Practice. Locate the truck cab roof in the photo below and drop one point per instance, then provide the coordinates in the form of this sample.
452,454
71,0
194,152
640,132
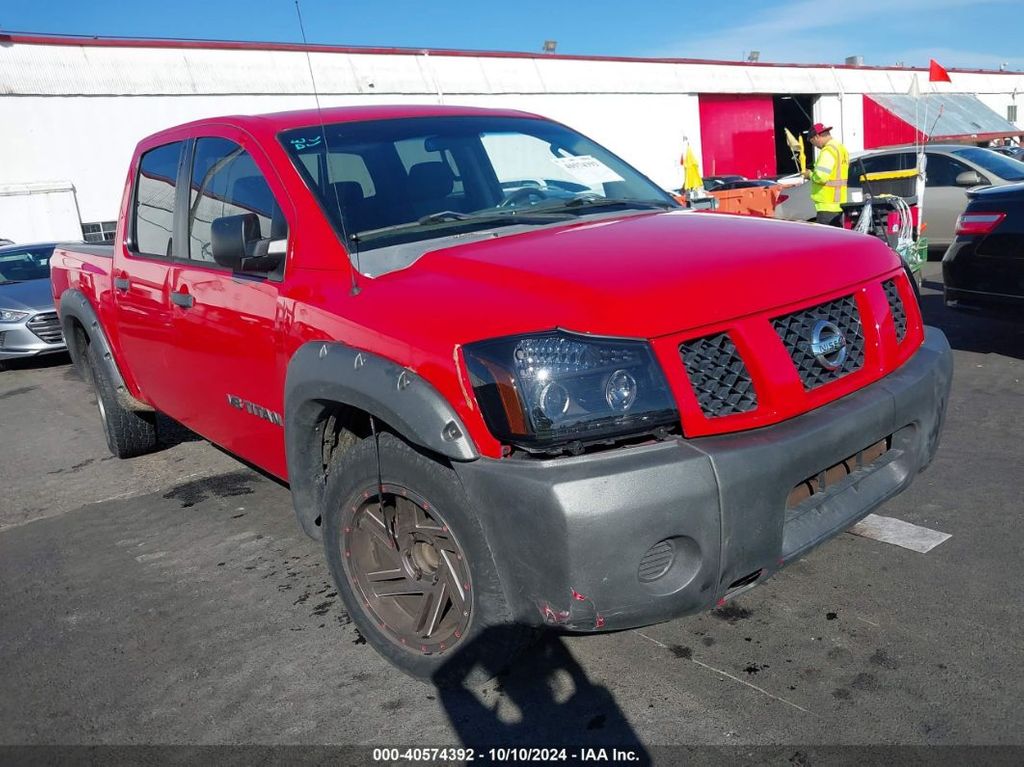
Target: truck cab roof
278,121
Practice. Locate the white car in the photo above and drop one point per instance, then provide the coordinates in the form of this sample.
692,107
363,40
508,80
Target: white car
951,170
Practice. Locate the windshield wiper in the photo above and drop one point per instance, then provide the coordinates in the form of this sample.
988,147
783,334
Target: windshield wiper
600,202
597,202
509,217
440,218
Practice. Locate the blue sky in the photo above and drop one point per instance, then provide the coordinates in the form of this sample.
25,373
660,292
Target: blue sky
958,33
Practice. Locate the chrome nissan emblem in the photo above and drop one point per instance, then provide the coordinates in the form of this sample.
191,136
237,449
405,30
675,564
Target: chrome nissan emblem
828,345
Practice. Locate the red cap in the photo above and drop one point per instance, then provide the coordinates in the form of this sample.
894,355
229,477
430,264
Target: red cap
817,129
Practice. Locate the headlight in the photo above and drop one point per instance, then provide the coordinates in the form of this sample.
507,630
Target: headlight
9,315
540,391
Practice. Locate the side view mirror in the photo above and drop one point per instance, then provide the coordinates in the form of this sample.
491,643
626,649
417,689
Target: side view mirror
236,244
968,178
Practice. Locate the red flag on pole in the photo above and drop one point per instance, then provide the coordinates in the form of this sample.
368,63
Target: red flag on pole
936,73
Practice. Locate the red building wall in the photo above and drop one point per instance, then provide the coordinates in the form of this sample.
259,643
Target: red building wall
737,135
883,128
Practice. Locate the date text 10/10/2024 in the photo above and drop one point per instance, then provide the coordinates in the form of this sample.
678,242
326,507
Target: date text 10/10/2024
505,754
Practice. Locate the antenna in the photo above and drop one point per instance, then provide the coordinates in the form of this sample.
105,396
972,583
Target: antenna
326,169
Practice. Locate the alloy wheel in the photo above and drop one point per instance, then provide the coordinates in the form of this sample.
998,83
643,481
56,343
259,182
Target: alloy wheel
407,569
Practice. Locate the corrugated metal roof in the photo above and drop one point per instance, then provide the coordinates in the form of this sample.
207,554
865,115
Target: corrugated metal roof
33,38
961,114
184,68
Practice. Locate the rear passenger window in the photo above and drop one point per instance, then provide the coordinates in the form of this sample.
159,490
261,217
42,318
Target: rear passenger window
153,218
226,182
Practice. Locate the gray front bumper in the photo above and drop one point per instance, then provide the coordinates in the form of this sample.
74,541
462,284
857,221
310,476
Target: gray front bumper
568,535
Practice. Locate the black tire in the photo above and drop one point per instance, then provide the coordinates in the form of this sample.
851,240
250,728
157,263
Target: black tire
129,433
491,640
81,363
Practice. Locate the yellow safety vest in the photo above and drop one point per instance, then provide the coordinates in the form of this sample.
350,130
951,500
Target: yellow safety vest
830,177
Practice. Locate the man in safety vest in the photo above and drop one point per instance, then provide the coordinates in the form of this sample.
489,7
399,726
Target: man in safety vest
829,177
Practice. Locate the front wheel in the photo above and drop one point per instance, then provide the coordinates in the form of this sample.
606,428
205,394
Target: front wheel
412,565
129,433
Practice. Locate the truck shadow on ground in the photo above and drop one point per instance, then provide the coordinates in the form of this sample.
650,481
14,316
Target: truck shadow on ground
997,330
545,699
170,433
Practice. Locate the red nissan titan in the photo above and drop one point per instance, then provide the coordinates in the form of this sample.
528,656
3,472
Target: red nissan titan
509,381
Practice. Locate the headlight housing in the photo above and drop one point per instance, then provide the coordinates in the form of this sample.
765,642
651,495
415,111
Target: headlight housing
9,315
545,390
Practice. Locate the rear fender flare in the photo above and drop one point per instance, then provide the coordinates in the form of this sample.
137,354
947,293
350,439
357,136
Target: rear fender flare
75,306
330,373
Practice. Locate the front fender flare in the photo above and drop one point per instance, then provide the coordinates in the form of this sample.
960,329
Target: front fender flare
75,306
328,372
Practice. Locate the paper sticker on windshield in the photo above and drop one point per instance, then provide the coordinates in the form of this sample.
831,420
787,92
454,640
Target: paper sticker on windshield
589,170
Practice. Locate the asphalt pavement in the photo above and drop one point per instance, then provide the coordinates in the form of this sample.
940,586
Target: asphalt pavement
173,599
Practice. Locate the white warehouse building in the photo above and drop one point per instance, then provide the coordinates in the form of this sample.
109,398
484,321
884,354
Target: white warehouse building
74,108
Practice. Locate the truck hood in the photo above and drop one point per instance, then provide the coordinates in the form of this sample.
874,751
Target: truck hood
638,276
29,296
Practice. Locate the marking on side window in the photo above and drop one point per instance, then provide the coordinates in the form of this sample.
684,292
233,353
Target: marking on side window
305,142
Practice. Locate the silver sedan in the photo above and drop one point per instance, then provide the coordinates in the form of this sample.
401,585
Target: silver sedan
952,169
28,321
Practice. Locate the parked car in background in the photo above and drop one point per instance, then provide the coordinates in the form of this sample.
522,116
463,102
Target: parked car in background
985,263
952,170
744,183
1016,152
28,320
711,183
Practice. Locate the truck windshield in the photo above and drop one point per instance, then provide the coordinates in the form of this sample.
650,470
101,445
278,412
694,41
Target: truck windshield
24,264
389,182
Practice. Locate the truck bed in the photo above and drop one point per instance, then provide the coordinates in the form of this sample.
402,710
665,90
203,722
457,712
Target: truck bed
102,250
84,268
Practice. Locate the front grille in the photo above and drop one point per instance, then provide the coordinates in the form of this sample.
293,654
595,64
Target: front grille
718,376
47,327
899,314
797,333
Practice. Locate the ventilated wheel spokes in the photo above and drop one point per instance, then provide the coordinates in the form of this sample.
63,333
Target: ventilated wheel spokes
410,570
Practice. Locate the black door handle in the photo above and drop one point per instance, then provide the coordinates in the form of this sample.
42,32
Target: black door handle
121,283
184,300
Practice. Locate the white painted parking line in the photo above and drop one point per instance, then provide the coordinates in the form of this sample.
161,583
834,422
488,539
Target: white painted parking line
899,533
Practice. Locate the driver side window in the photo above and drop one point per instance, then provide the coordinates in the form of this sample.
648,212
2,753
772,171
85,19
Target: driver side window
943,170
227,182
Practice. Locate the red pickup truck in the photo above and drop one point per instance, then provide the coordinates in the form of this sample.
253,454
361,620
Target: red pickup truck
508,380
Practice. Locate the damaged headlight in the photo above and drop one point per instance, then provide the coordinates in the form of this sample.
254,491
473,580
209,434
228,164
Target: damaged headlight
547,389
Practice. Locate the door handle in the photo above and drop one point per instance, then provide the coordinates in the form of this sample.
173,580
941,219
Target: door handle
121,283
184,300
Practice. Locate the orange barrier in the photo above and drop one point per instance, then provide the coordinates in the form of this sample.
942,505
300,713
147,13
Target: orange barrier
749,201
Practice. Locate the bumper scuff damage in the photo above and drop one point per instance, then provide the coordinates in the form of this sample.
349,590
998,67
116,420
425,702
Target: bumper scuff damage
653,532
